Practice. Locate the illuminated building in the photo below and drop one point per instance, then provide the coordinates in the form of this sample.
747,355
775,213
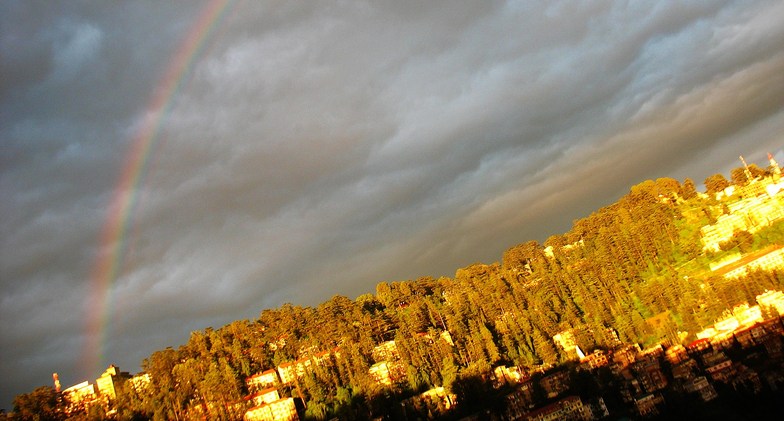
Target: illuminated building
79,396
263,380
111,379
772,300
386,372
279,410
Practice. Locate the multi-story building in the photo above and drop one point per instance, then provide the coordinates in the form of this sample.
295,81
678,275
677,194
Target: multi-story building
290,371
265,396
79,396
263,380
287,372
555,383
386,351
717,365
648,405
279,410
685,370
648,372
519,402
569,408
675,354
387,372
751,213
508,375
140,381
722,230
772,301
767,259
110,381
594,360
703,388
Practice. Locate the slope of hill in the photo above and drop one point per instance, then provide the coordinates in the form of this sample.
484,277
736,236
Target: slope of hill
647,270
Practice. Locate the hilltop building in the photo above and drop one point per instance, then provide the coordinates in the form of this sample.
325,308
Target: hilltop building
79,396
110,381
83,395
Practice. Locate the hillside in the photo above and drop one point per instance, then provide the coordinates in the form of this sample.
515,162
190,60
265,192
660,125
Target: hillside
648,269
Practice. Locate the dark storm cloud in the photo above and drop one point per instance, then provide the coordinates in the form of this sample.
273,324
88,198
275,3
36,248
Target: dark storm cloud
320,149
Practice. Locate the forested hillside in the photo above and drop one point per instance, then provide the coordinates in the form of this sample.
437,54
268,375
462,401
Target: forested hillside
622,265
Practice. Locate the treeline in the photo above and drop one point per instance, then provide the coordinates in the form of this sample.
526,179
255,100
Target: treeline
604,280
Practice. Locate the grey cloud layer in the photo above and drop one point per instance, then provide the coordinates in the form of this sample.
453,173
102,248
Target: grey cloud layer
320,149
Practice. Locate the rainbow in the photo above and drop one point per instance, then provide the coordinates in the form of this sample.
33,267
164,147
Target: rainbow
112,241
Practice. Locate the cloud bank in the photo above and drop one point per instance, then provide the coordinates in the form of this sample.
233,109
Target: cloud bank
318,149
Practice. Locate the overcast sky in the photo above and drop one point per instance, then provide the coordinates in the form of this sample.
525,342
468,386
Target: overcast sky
319,148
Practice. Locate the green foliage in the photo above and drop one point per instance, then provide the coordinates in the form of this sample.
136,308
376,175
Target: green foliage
42,404
716,183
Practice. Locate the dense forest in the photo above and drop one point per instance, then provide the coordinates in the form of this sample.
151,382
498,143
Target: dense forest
603,280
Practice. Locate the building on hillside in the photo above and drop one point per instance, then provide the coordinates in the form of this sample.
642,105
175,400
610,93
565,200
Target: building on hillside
386,351
279,410
569,408
555,383
767,259
685,370
519,402
140,382
598,358
707,333
80,396
287,372
623,357
504,375
387,372
432,403
265,396
744,338
748,316
263,380
722,230
723,340
675,354
649,373
718,366
566,341
751,214
648,405
727,324
110,381
321,358
702,387
772,301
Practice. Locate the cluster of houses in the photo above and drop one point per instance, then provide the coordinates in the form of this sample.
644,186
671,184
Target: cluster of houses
758,204
645,375
267,402
103,392
268,405
694,369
